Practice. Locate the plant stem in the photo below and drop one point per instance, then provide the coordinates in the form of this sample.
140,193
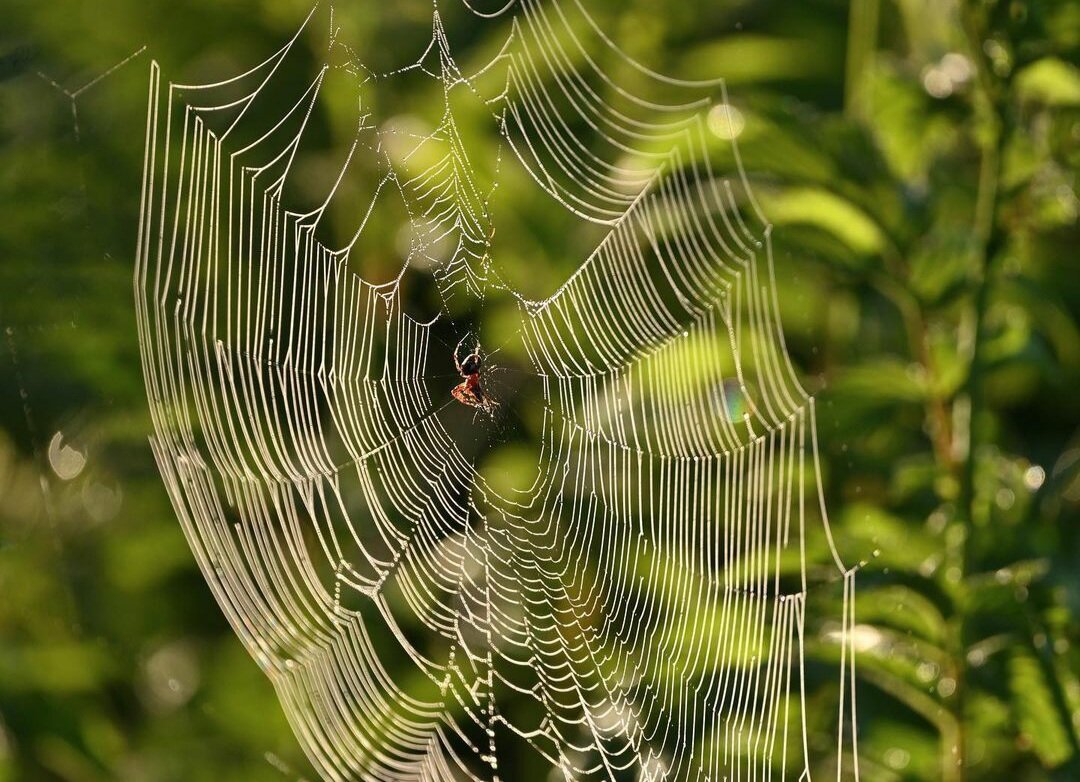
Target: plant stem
861,43
988,240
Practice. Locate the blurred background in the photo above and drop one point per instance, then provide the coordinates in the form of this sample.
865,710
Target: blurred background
919,159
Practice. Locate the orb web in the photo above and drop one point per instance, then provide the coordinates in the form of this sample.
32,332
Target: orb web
637,609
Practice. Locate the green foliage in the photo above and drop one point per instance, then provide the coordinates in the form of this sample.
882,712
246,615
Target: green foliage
919,159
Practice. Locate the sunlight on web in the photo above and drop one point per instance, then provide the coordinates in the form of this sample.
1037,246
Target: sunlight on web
636,608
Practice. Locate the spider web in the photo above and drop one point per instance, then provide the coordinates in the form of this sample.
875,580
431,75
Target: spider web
639,609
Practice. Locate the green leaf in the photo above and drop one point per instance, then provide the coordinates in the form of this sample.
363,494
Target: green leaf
1035,709
1050,81
903,609
746,59
941,265
826,211
880,382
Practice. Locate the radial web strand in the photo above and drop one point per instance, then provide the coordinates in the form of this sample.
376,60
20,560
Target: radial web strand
637,610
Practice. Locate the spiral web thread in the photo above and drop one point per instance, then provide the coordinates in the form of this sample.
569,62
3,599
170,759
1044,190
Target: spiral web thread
639,611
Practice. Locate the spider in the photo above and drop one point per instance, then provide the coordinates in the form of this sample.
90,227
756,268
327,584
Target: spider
469,391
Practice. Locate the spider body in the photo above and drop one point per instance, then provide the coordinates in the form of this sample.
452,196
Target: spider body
469,391
471,365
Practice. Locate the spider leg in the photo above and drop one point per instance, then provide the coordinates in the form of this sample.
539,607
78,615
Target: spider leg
457,350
